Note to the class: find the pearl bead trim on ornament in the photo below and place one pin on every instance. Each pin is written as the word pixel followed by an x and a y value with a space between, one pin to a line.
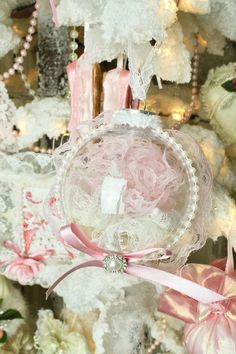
pixel 158 133
pixel 25 47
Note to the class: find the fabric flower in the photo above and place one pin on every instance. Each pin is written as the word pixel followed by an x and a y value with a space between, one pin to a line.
pixel 23 269
pixel 25 266
pixel 55 337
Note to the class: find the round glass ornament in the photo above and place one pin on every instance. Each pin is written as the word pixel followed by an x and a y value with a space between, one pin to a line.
pixel 130 185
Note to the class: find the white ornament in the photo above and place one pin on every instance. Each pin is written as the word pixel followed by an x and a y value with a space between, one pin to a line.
pixel 219 105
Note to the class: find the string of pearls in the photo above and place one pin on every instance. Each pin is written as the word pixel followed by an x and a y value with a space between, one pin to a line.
pixel 42 150
pixel 73 44
pixel 26 82
pixel 158 341
pixel 194 96
pixel 25 46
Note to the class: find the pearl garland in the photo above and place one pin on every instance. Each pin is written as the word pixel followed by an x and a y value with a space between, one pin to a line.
pixel 158 341
pixel 189 111
pixel 25 47
pixel 73 44
pixel 26 83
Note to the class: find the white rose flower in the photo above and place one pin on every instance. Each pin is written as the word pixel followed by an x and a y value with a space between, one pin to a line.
pixel 55 337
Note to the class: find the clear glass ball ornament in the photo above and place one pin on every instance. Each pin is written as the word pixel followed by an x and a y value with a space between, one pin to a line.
pixel 130 185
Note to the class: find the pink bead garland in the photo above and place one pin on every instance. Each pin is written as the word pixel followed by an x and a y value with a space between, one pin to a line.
pixel 26 45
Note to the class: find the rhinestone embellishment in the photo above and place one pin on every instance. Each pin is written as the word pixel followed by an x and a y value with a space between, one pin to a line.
pixel 115 263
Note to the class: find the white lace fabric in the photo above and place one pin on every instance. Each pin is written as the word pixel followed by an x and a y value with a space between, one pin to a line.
pixel 25 180
pixel 7 120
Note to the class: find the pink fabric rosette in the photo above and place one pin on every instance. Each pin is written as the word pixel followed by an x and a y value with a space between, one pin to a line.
pixel 209 328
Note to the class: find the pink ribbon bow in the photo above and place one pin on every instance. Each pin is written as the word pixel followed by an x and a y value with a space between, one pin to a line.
pixel 128 263
pixel 209 328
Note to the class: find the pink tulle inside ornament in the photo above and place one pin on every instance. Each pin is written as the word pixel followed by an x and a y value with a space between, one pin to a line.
pixel 152 173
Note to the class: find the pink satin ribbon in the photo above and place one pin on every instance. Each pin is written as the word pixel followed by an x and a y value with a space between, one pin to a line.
pixel 37 256
pixel 72 73
pixel 54 13
pixel 209 328
pixel 116 90
pixel 78 240
pixel 80 76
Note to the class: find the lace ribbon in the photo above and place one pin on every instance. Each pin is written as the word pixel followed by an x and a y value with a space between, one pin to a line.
pixel 78 240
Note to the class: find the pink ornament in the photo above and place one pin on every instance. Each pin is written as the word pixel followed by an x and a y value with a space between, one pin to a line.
pixel 209 329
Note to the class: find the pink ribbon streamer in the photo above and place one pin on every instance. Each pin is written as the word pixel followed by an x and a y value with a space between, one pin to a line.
pixel 209 328
pixel 54 13
pixel 116 90
pixel 78 240
pixel 80 76
pixel 72 73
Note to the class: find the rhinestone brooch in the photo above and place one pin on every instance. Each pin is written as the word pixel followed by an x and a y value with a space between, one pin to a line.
pixel 115 264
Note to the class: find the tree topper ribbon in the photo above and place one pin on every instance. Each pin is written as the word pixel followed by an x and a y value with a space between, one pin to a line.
pixel 128 263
